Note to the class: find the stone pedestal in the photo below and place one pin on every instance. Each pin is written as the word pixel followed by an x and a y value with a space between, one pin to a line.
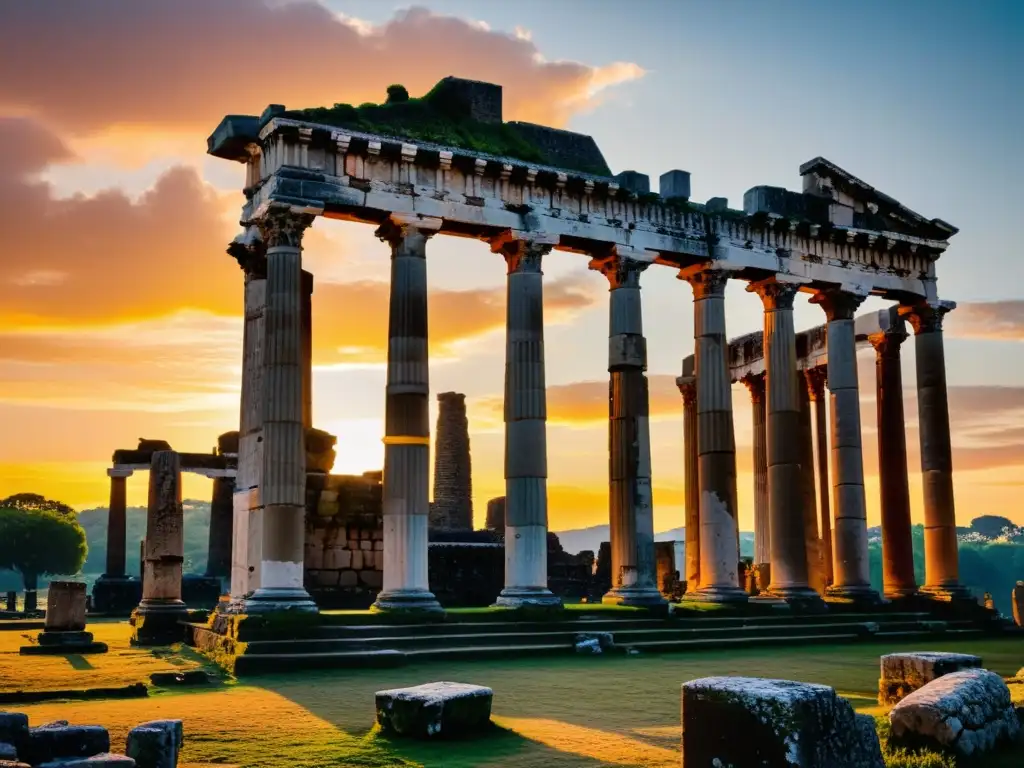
pixel 406 424
pixel 631 515
pixel 785 489
pixel 898 578
pixel 64 627
pixel 716 446
pixel 155 621
pixel 526 462
pixel 452 509
pixel 941 558
pixel 852 579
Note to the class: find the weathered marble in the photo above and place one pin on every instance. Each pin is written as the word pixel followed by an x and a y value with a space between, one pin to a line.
pixel 156 744
pixel 903 673
pixel 58 740
pixel 435 710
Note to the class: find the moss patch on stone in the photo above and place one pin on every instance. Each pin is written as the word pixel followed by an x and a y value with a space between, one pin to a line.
pixel 434 118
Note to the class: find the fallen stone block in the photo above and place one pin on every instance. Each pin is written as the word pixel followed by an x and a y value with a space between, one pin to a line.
pixel 60 740
pixel 441 709
pixel 104 760
pixel 606 640
pixel 904 673
pixel 8 751
pixel 744 721
pixel 14 728
pixel 156 744
pixel 589 646
pixel 966 712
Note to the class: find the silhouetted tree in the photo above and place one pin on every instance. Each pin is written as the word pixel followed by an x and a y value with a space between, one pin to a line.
pixel 34 502
pixel 40 542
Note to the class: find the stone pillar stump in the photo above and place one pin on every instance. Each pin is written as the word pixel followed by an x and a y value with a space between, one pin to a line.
pixel 64 627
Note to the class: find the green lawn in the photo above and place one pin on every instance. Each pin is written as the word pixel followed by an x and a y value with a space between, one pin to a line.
pixel 562 712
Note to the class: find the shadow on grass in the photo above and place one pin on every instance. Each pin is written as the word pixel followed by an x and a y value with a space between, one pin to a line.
pixel 78 662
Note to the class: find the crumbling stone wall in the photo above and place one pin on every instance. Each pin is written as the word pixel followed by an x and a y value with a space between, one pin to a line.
pixel 452 508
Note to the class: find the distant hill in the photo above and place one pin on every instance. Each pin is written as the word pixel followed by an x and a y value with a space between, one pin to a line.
pixel 579 539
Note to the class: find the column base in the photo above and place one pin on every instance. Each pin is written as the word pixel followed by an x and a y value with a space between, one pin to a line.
pixel 158 622
pixel 528 597
pixel 716 594
pixel 900 593
pixel 803 598
pixel 407 601
pixel 947 593
pixel 857 593
pixel 277 600
pixel 634 596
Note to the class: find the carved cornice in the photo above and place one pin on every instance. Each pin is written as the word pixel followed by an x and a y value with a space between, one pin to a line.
pixel 838 304
pixel 926 317
pixel 755 384
pixel 283 227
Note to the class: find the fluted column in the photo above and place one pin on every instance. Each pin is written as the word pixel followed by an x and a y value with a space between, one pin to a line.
pixel 898 578
pixel 307 349
pixel 755 384
pixel 816 390
pixel 716 443
pixel 406 423
pixel 812 545
pixel 688 389
pixel 785 492
pixel 117 523
pixel 850 545
pixel 526 462
pixel 283 480
pixel 631 514
pixel 941 558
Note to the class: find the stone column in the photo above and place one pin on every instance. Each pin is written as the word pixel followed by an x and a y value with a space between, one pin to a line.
pixel 762 529
pixel 631 514
pixel 816 390
pixel 941 558
pixel 688 389
pixel 307 349
pixel 117 523
pixel 850 545
pixel 155 621
pixel 452 509
pixel 808 478
pixel 782 416
pixel 283 481
pixel 716 443
pixel 406 423
pixel 526 463
pixel 898 578
pixel 218 559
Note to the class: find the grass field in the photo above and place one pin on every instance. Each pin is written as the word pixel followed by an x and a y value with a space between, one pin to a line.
pixel 562 712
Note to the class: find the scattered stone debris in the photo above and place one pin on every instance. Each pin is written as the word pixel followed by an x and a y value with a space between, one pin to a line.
pixel 904 673
pixel 435 710
pixel 104 760
pixel 588 645
pixel 968 712
pixel 156 744
pixel 783 723
pixel 605 642
pixel 185 678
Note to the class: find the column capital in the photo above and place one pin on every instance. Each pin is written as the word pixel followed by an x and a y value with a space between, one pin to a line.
pixel 621 270
pixel 838 303
pixel 249 251
pixel 887 343
pixel 687 388
pixel 121 472
pixel 816 378
pixel 926 316
pixel 755 384
pixel 283 227
pixel 522 252
pixel 399 229
pixel 707 282
pixel 776 293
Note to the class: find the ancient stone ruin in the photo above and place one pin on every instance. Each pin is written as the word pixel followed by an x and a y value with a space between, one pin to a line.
pixel 452 508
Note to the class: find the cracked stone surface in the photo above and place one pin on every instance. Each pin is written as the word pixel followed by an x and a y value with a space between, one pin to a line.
pixel 904 673
pixel 434 710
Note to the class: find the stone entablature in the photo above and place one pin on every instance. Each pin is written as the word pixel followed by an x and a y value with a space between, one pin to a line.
pixel 364 177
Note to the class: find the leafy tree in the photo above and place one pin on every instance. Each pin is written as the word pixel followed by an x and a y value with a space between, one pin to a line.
pixel 40 542
pixel 35 502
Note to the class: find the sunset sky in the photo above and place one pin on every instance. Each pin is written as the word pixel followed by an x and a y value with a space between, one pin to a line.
pixel 120 311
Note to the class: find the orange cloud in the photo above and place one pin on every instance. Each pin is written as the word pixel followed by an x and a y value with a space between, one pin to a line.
pixel 988 320
pixel 179 65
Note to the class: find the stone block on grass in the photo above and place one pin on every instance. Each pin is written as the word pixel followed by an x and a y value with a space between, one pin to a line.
pixel 60 740
pixel 743 721
pixel 14 728
pixel 904 673
pixel 104 760
pixel 967 712
pixel 156 744
pixel 435 710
